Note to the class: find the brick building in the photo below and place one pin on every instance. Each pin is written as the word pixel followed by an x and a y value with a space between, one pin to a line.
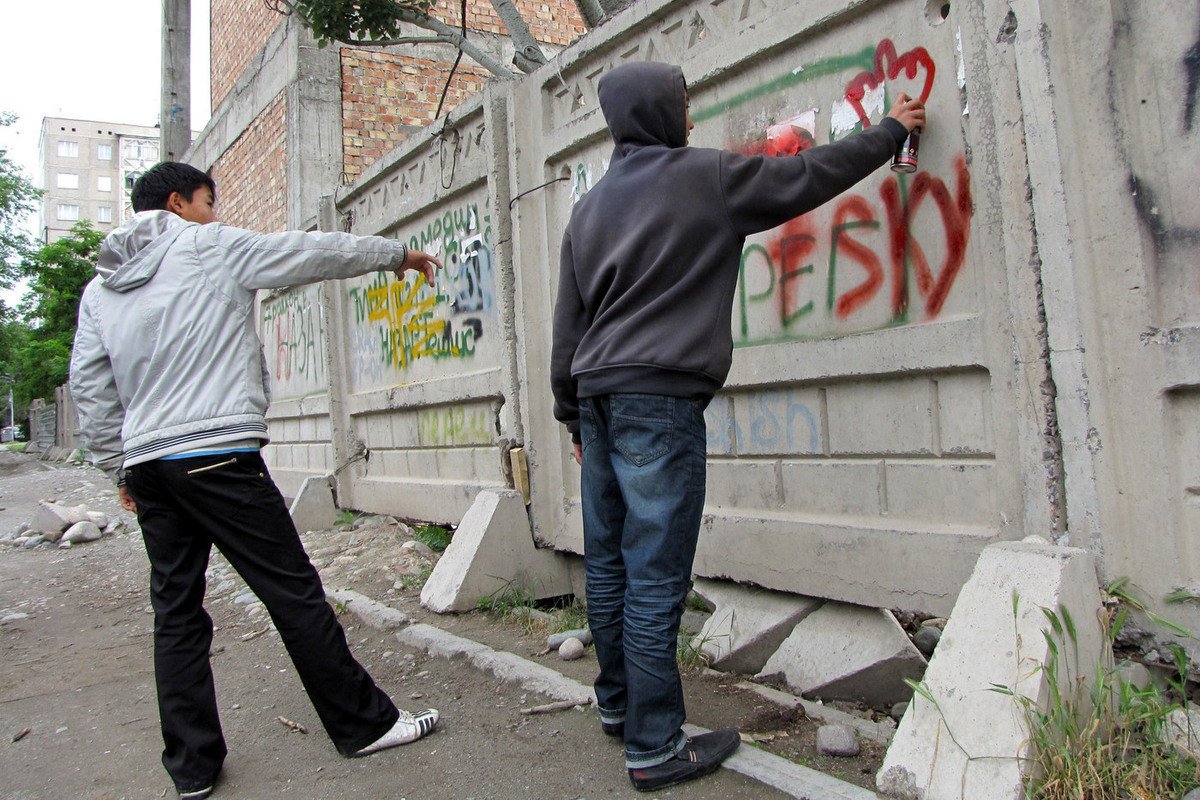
pixel 292 121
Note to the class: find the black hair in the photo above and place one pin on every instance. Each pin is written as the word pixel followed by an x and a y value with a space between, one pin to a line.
pixel 152 190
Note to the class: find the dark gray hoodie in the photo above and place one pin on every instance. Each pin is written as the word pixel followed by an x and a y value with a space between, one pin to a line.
pixel 650 257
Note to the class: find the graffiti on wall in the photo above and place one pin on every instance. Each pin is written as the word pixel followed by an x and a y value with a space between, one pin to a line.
pixel 292 344
pixel 888 255
pixel 865 260
pixel 396 324
pixel 766 422
pixel 455 426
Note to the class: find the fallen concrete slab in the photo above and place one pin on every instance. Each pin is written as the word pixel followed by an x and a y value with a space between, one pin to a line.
pixel 493 550
pixel 748 625
pixel 969 741
pixel 314 509
pixel 847 652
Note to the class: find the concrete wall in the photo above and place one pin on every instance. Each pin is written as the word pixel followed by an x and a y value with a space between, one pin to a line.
pixel 1001 344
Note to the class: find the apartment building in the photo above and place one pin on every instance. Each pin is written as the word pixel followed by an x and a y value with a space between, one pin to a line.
pixel 88 170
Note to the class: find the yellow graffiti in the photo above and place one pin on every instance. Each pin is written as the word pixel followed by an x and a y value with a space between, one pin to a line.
pixel 412 331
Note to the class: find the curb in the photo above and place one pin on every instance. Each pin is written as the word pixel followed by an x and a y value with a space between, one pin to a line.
pixel 798 781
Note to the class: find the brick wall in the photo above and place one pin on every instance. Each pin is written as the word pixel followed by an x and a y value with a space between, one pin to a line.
pixel 251 175
pixel 239 29
pixel 383 93
pixel 556 22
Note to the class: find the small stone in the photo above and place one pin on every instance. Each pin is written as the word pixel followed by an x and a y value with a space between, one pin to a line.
pixel 415 696
pixel 33 541
pixel 14 617
pixel 99 518
pixel 52 536
pixel 82 532
pixel 245 598
pixel 555 640
pixel 935 622
pixel 571 649
pixel 926 640
pixel 65 545
pixel 413 545
pixel 898 711
pixel 837 740
pixel 1194 794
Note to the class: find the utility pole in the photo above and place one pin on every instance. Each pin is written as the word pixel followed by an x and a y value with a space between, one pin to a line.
pixel 175 113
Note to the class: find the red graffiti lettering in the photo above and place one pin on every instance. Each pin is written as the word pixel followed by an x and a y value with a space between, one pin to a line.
pixel 795 243
pixel 955 214
pixel 856 206
pixel 889 65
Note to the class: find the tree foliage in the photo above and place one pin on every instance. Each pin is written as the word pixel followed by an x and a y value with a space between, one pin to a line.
pixel 17 199
pixel 378 23
pixel 35 349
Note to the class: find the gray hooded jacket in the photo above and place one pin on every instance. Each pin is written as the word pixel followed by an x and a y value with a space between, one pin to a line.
pixel 166 356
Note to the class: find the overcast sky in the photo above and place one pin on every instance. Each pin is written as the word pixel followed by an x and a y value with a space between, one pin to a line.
pixel 87 59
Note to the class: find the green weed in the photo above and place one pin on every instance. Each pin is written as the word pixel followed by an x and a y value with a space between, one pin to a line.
pixel 409 582
pixel 512 603
pixel 1104 739
pixel 437 537
pixel 689 653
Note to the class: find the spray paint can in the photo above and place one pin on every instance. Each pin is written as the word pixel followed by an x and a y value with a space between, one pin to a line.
pixel 905 159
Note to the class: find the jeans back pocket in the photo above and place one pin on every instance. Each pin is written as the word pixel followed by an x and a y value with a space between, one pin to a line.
pixel 642 426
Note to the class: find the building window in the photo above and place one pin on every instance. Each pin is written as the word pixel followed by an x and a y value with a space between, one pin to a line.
pixel 104 152
pixel 68 212
pixel 141 149
pixel 68 149
pixel 104 183
pixel 104 214
pixel 68 180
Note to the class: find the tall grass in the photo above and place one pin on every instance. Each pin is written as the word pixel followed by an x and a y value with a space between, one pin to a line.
pixel 1103 739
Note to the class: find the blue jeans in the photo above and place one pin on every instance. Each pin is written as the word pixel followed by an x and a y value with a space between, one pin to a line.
pixel 643 497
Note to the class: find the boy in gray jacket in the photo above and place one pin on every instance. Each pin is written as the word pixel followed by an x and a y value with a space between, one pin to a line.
pixel 168 374
pixel 641 343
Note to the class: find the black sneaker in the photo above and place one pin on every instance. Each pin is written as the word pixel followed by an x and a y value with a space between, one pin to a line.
pixel 613 729
pixel 702 755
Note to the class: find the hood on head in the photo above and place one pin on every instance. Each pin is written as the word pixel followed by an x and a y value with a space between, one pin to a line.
pixel 643 105
pixel 131 254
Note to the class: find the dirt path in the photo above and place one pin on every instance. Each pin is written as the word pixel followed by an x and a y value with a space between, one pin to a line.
pixel 76 671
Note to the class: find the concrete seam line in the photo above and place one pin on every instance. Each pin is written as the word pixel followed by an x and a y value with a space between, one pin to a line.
pixel 788 777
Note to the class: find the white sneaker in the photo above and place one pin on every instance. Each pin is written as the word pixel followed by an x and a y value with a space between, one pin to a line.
pixel 196 794
pixel 408 728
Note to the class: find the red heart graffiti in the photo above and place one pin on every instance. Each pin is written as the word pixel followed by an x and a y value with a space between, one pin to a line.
pixel 890 65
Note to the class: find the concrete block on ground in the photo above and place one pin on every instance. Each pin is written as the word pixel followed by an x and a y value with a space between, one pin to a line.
pixel 314 509
pixel 52 518
pixel 985 644
pixel 748 624
pixel 847 652
pixel 493 549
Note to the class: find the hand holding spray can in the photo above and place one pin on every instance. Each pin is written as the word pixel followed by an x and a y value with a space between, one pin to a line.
pixel 905 159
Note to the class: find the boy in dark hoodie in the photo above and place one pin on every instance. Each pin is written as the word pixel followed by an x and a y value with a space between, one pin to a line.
pixel 641 343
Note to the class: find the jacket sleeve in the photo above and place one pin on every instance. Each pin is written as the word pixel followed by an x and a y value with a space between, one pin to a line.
pixel 570 324
pixel 763 192
pixel 94 389
pixel 293 258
